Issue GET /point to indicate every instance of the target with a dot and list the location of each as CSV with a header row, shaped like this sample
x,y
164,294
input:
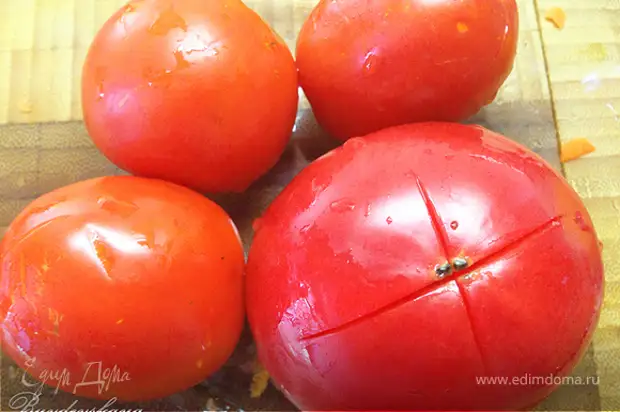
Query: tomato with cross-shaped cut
x,y
401,269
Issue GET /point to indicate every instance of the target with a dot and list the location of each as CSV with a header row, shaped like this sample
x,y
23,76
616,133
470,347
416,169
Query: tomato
x,y
132,282
367,65
200,93
407,264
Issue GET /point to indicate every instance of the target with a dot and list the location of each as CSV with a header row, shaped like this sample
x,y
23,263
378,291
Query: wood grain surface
x,y
566,84
583,62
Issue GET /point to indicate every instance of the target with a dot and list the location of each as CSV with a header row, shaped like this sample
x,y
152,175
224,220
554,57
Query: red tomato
x,y
137,277
200,93
405,265
367,65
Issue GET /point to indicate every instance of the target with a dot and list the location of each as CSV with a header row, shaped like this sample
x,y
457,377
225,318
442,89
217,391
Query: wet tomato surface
x,y
405,265
200,93
366,65
121,287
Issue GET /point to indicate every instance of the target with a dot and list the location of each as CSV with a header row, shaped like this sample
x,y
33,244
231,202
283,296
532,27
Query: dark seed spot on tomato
x,y
443,270
460,263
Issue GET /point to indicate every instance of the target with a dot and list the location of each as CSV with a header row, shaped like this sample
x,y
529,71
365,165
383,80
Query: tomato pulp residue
x,y
182,63
556,16
575,149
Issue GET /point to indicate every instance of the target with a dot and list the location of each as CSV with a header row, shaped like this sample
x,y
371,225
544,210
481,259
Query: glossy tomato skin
x,y
200,93
367,65
138,277
359,314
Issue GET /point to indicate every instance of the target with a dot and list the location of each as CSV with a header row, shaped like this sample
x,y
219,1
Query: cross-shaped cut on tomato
x,y
415,259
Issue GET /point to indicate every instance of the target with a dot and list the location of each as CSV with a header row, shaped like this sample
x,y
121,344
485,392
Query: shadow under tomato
x,y
308,142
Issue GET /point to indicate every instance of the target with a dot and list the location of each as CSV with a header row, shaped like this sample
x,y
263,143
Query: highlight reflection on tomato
x,y
367,65
405,264
198,92
139,277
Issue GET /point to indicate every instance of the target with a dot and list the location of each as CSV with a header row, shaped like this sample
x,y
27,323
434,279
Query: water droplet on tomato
x,y
319,184
100,76
370,62
167,20
367,212
305,229
100,92
389,220
581,222
454,225
355,143
469,276
342,205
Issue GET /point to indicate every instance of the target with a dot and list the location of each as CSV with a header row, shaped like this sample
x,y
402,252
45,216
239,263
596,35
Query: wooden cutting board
x,y
566,84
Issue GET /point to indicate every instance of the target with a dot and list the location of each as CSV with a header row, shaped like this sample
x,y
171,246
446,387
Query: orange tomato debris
x,y
462,27
556,16
575,149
